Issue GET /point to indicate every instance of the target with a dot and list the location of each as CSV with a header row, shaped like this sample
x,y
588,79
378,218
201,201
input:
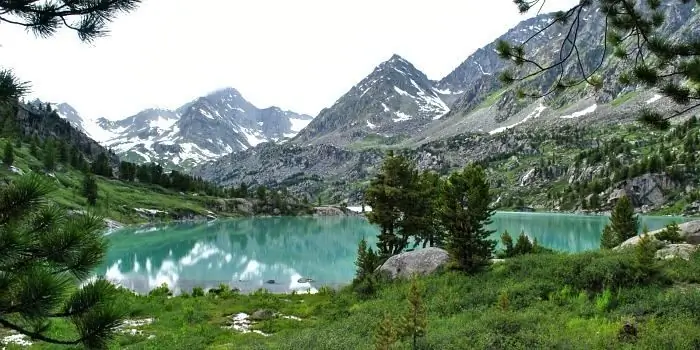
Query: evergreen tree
x,y
49,155
8,156
523,245
386,334
465,213
416,320
397,205
90,189
33,148
101,166
609,239
507,242
367,261
87,18
623,220
631,35
46,255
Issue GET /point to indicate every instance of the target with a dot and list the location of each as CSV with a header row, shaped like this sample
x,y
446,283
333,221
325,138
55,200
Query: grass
x,y
545,301
491,99
624,98
116,199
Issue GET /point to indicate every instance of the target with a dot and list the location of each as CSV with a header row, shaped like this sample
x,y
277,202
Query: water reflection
x,y
247,253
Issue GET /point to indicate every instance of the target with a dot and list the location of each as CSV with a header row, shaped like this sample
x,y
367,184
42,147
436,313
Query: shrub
x,y
197,291
671,234
161,291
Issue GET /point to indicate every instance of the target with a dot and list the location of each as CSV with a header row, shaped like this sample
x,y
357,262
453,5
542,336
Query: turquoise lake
x,y
251,253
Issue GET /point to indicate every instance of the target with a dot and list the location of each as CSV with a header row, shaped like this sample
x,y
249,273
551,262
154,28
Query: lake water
x,y
250,253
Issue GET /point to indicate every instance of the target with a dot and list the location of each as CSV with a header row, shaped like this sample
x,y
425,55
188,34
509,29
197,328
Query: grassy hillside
x,y
116,199
544,301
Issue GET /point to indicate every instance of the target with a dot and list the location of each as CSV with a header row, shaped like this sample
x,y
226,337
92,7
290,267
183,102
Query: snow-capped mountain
x,y
201,130
394,100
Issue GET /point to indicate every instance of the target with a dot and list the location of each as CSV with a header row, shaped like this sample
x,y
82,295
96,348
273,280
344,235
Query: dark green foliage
x,y
633,36
465,213
45,256
49,155
90,189
609,239
8,156
386,334
33,148
671,234
367,261
101,166
523,245
507,241
398,204
623,220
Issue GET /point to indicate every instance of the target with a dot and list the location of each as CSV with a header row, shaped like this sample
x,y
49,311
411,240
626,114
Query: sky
x,y
298,55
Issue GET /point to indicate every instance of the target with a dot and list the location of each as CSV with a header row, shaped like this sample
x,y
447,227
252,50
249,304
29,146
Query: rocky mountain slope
x,y
355,131
396,99
201,130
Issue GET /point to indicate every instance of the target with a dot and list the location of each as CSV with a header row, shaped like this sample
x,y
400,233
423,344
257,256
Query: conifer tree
x,y
45,256
90,189
367,260
609,239
465,212
44,18
522,245
623,220
386,334
631,34
398,204
416,319
33,150
49,155
507,242
8,156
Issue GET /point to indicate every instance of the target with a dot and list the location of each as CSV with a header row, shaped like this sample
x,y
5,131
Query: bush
x,y
161,291
671,234
197,292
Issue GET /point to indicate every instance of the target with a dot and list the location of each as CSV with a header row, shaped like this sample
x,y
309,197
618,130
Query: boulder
x,y
329,211
262,314
675,251
422,261
690,231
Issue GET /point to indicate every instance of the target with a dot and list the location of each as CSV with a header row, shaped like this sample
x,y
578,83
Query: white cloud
x,y
300,55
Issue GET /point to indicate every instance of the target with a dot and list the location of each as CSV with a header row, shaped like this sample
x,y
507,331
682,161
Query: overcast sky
x,y
299,55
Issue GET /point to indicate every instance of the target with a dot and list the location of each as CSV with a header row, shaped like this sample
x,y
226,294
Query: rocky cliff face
x,y
443,124
395,100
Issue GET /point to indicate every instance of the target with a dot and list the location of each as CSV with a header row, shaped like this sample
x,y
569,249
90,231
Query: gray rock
x,y
676,251
647,190
262,314
422,261
690,231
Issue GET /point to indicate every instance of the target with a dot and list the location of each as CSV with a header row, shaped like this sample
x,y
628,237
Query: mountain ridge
x,y
202,129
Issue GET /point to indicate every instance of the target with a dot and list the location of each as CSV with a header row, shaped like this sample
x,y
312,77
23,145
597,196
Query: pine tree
x,y
399,206
8,156
386,334
623,221
90,189
609,238
629,34
523,245
49,155
87,18
416,320
33,150
465,213
367,261
46,255
507,242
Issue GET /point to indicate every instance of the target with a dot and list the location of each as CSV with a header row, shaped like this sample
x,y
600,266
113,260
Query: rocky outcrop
x,y
330,210
690,232
422,262
676,251
646,190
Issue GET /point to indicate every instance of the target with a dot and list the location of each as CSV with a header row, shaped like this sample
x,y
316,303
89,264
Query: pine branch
x,y
36,335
